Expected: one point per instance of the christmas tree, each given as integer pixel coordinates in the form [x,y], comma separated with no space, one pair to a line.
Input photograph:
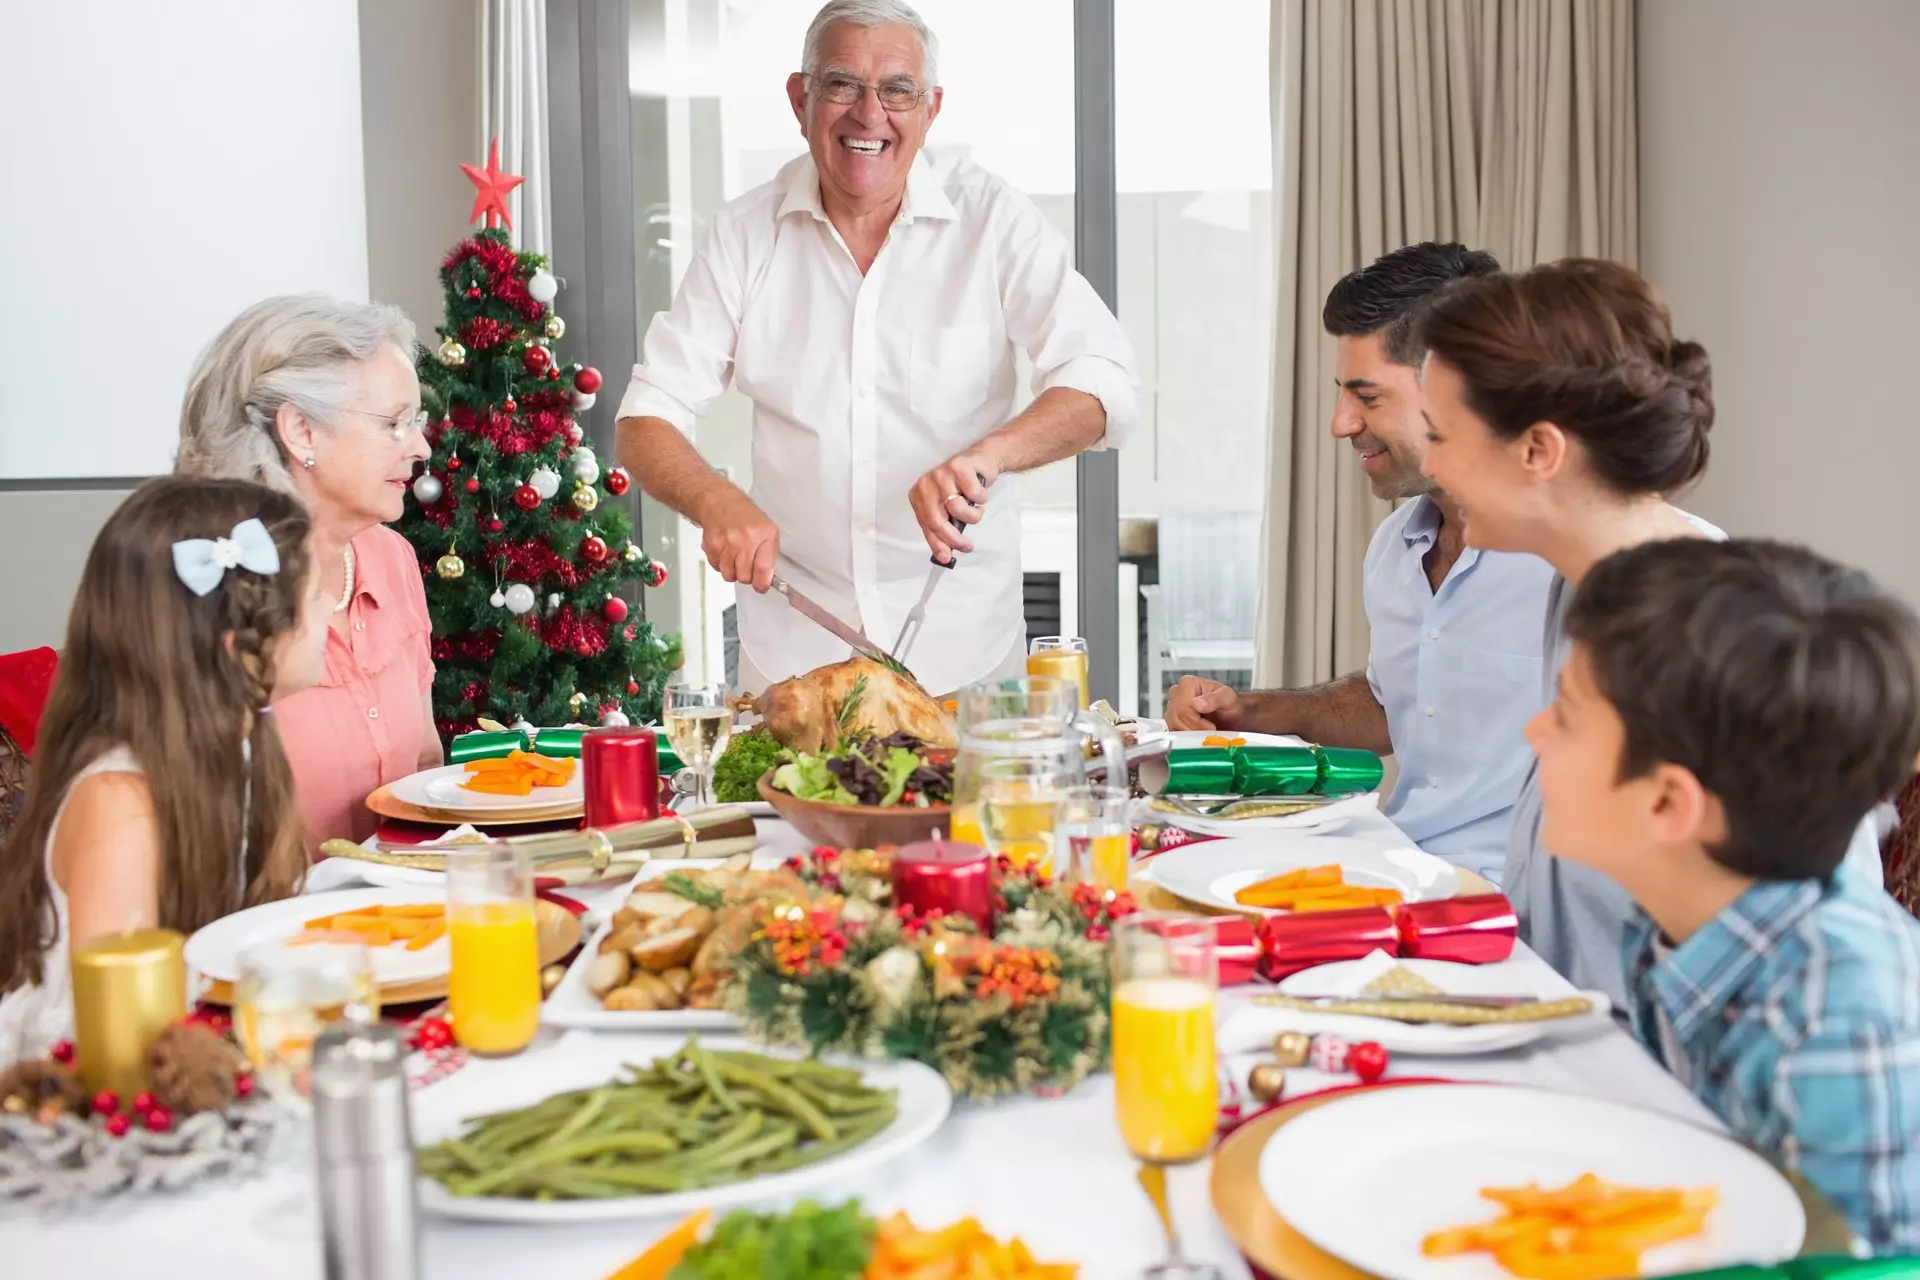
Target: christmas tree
[523,554]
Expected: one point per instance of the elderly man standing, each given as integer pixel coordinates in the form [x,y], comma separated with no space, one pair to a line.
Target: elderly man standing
[869,301]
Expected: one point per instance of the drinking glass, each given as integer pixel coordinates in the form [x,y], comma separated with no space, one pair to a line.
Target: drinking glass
[1061,656]
[1093,831]
[1019,802]
[493,994]
[1165,1082]
[698,720]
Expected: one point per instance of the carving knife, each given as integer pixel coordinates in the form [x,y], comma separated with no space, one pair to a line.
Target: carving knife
[856,640]
[910,629]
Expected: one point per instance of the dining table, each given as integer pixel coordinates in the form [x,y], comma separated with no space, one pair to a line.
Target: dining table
[1052,1170]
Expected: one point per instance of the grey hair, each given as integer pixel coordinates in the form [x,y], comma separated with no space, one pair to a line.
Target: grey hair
[298,350]
[871,13]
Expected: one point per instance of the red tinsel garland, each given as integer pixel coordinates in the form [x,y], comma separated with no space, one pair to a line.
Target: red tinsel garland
[480,645]
[483,333]
[532,563]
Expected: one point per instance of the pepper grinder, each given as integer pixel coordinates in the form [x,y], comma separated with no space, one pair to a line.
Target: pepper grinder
[363,1149]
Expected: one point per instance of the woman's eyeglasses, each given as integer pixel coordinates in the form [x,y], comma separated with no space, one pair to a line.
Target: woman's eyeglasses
[397,426]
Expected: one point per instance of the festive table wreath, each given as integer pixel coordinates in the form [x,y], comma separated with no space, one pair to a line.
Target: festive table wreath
[843,970]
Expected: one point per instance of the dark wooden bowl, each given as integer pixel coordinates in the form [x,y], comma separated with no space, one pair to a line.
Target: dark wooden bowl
[847,826]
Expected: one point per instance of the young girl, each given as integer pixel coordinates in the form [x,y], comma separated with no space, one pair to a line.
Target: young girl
[160,795]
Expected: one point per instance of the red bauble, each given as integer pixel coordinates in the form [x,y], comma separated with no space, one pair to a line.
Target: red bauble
[617,481]
[453,463]
[614,610]
[62,1053]
[633,687]
[473,484]
[594,549]
[243,1085]
[494,526]
[1368,1060]
[526,497]
[432,1033]
[584,649]
[143,1102]
[587,380]
[106,1102]
[537,359]
[159,1119]
[553,374]
[473,291]
[118,1123]
[510,405]
[656,574]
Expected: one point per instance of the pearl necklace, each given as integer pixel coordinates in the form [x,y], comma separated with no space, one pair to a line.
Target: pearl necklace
[346,596]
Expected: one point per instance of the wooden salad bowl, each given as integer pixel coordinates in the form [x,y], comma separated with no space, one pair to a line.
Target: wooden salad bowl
[849,826]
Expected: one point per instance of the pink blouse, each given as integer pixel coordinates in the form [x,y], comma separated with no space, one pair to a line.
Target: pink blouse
[362,726]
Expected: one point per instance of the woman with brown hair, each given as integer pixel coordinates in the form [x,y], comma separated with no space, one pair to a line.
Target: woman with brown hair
[1561,412]
[160,796]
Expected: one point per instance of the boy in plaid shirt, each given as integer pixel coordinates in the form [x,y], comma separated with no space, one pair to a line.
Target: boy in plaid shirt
[1728,712]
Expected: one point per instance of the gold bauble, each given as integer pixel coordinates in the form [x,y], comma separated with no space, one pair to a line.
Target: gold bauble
[586,497]
[633,554]
[1290,1048]
[1267,1081]
[452,354]
[577,700]
[450,567]
[556,328]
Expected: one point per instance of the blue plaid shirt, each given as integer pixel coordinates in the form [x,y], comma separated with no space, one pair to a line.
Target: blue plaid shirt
[1797,1010]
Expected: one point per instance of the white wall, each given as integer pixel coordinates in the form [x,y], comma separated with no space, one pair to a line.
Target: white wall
[1779,202]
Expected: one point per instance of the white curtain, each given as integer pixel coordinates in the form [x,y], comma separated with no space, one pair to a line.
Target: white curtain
[513,108]
[1505,124]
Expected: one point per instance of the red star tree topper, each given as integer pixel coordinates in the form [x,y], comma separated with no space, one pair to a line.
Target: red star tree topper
[490,198]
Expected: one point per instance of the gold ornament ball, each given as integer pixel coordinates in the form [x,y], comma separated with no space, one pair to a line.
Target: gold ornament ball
[1267,1081]
[452,354]
[1290,1048]
[450,567]
[556,328]
[633,554]
[577,700]
[550,978]
[585,497]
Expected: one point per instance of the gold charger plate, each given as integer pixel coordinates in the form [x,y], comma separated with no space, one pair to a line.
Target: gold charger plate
[1271,1244]
[384,803]
[559,931]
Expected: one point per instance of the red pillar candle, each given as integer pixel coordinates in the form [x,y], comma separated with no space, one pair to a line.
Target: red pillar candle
[620,771]
[940,875]
[1477,929]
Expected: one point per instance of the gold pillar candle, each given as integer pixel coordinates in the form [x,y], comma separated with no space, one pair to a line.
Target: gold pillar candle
[1065,664]
[127,989]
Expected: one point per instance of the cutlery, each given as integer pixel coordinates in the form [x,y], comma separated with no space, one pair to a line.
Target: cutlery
[910,629]
[856,640]
[1449,1010]
[1239,807]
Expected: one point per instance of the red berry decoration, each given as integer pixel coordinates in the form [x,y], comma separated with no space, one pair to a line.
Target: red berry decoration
[526,497]
[615,610]
[587,380]
[1368,1060]
[118,1123]
[106,1102]
[633,687]
[594,548]
[143,1102]
[656,574]
[432,1033]
[473,484]
[453,463]
[617,481]
[537,359]
[158,1119]
[62,1053]
[510,405]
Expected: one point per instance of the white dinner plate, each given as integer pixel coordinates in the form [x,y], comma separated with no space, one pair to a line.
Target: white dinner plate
[214,951]
[922,1097]
[1346,977]
[1188,739]
[1211,872]
[440,790]
[1369,1176]
[572,1005]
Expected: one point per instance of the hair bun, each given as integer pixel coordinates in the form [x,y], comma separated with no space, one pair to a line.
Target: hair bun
[1692,367]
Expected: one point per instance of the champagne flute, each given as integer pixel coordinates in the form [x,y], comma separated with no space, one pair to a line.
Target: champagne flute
[698,721]
[1094,832]
[1019,801]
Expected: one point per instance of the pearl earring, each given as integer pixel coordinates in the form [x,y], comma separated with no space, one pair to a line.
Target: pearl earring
[307,462]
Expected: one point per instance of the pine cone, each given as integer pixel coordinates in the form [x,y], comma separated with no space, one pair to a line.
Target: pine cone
[26,1087]
[191,1068]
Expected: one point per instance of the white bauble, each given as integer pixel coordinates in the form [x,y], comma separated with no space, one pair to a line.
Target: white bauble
[498,600]
[615,717]
[543,286]
[519,598]
[545,482]
[553,601]
[574,434]
[428,489]
[582,400]
[586,467]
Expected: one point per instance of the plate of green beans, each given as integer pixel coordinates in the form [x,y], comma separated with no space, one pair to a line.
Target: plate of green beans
[616,1130]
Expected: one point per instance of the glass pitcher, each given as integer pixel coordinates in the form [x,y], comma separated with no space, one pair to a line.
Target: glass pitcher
[1022,748]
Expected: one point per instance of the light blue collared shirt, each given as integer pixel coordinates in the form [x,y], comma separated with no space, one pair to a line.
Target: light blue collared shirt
[1458,672]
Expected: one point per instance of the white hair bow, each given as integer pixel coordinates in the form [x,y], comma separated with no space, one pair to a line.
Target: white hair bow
[203,562]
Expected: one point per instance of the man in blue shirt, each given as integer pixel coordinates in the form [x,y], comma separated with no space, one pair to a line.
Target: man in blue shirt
[1454,672]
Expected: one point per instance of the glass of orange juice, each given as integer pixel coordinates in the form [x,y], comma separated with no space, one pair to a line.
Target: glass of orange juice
[1093,834]
[1061,656]
[1165,1082]
[494,992]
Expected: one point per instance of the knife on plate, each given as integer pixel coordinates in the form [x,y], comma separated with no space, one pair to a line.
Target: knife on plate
[910,629]
[856,640]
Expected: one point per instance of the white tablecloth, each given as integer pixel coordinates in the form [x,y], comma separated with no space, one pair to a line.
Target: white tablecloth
[1053,1171]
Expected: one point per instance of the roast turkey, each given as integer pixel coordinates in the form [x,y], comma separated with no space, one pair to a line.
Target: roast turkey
[804,713]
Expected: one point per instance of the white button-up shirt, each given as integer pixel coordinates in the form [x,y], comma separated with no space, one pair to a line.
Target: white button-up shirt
[861,385]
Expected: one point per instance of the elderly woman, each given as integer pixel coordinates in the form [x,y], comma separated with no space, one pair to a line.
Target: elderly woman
[317,397]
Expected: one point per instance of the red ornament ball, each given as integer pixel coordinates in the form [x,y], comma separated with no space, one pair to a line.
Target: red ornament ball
[617,481]
[587,380]
[158,1119]
[432,1033]
[143,1102]
[453,463]
[106,1102]
[494,526]
[62,1053]
[510,405]
[473,291]
[473,484]
[594,548]
[656,574]
[553,374]
[537,359]
[615,610]
[243,1085]
[1368,1060]
[633,687]
[118,1123]
[526,497]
